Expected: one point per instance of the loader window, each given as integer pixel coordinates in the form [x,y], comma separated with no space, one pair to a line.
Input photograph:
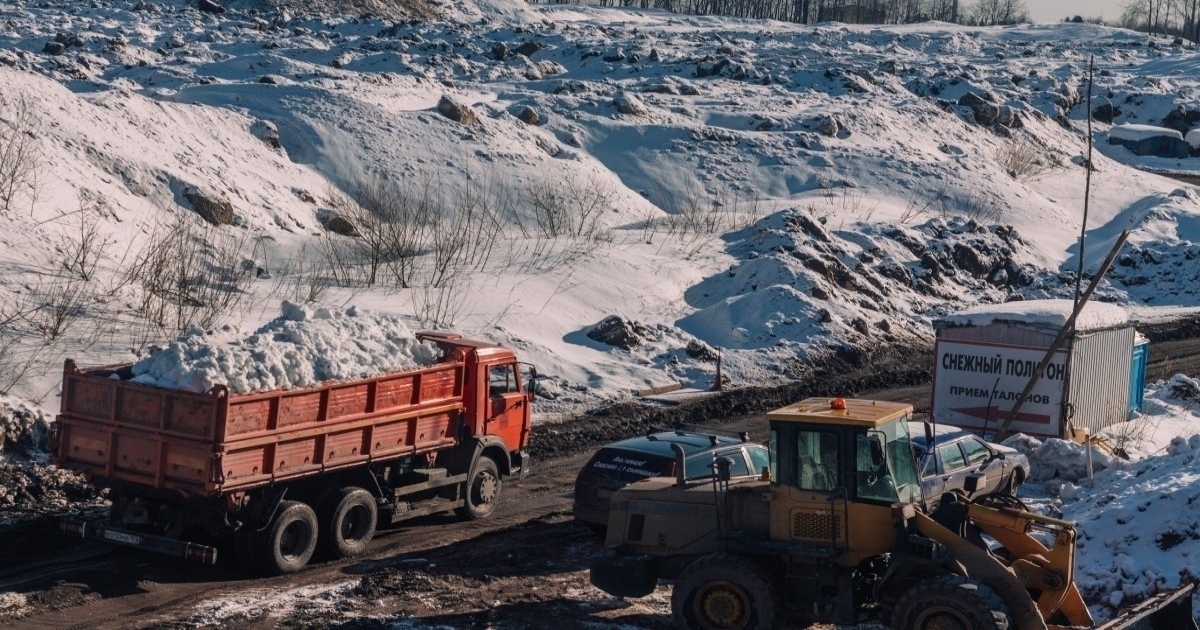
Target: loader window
[502,380]
[874,482]
[817,460]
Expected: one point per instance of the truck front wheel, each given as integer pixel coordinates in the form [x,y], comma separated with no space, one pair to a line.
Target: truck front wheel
[482,490]
[348,520]
[288,543]
[723,592]
[950,602]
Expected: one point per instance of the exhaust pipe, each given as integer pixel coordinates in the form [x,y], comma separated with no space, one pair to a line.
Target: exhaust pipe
[680,473]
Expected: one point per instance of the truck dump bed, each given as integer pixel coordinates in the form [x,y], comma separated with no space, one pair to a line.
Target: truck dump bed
[213,443]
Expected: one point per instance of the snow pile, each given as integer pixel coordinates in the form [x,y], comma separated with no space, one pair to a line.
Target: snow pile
[1139,530]
[1059,459]
[299,348]
[24,430]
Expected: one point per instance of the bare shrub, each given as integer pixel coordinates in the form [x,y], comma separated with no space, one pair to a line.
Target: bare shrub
[20,153]
[1024,160]
[20,349]
[569,206]
[56,305]
[81,243]
[189,275]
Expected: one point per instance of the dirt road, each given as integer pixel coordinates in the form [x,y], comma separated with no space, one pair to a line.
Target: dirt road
[524,568]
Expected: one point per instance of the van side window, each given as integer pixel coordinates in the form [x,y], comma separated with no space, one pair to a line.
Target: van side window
[502,380]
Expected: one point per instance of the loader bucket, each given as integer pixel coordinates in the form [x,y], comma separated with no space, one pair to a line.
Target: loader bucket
[1171,610]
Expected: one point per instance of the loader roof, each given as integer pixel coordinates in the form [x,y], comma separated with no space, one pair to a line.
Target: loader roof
[855,412]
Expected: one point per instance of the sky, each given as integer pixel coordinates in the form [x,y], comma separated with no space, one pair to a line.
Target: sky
[1058,10]
[778,192]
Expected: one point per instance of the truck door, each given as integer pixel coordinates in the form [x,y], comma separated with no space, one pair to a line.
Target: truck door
[816,493]
[507,409]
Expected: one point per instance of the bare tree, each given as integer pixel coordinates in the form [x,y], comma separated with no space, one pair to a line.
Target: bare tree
[20,152]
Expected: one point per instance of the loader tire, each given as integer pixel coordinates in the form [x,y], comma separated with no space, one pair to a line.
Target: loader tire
[950,602]
[287,544]
[348,520]
[724,592]
[482,491]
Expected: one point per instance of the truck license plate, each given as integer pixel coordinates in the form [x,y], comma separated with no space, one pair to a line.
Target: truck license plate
[122,537]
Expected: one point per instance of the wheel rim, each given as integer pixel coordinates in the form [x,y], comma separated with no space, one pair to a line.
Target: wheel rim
[722,606]
[486,487]
[941,618]
[354,525]
[294,539]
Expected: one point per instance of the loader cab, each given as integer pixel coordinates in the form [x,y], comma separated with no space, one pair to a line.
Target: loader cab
[837,462]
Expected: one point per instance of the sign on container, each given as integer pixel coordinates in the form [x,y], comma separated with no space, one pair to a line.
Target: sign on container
[977,384]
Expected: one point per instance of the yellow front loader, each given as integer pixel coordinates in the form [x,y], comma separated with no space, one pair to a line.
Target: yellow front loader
[836,531]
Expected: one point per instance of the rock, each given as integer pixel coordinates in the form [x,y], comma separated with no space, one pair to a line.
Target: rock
[208,6]
[627,103]
[819,293]
[500,51]
[828,126]
[54,48]
[528,115]
[457,112]
[211,207]
[619,332]
[700,350]
[266,131]
[824,316]
[337,224]
[528,48]
[272,79]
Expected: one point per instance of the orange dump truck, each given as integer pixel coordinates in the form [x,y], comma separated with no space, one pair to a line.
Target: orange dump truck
[278,475]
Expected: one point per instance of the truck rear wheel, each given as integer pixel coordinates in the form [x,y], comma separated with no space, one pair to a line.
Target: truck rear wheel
[288,543]
[950,602]
[723,592]
[482,490]
[348,520]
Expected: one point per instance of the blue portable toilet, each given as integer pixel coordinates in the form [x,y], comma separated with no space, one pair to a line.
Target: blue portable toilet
[1137,373]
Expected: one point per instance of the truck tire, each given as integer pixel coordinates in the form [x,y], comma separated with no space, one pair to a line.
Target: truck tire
[287,544]
[348,520]
[482,490]
[950,602]
[724,592]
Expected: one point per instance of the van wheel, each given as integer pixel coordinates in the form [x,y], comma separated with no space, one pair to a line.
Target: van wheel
[950,602]
[482,490]
[348,520]
[722,592]
[288,543]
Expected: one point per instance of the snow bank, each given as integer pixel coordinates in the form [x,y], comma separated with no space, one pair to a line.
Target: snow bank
[1139,530]
[299,348]
[1136,133]
[1049,313]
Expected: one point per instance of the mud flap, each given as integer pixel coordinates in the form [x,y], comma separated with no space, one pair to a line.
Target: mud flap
[1171,610]
[624,576]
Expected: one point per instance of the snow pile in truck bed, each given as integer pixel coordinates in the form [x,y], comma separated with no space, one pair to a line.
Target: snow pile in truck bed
[299,348]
